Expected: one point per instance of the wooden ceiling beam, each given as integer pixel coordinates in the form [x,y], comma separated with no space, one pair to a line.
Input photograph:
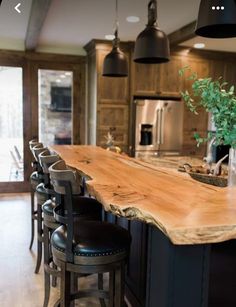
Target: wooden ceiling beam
[183,34]
[39,10]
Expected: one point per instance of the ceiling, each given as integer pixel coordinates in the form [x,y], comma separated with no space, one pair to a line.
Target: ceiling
[13,26]
[226,44]
[70,24]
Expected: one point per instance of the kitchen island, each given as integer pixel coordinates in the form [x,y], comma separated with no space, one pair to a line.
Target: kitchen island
[181,217]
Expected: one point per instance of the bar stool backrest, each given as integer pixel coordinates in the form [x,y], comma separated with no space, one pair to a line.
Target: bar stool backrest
[47,158]
[60,173]
[66,183]
[36,150]
[33,143]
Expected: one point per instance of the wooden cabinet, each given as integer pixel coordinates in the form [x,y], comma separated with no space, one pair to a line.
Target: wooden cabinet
[217,69]
[111,89]
[170,82]
[229,73]
[145,79]
[110,99]
[113,117]
[109,96]
[194,123]
[154,79]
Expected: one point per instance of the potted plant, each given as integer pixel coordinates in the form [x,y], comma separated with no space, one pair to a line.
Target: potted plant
[217,98]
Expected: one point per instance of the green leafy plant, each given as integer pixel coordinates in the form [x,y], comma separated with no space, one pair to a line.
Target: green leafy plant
[214,96]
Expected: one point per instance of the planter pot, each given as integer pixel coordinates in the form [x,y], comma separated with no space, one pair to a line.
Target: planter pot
[232,167]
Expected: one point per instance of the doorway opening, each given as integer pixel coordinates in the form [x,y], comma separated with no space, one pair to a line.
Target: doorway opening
[55,106]
[11,124]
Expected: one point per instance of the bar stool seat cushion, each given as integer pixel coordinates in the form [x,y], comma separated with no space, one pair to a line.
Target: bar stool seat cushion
[35,179]
[48,214]
[93,239]
[41,189]
[48,207]
[43,194]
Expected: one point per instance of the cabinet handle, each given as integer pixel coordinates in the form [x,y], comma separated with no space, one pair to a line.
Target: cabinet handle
[158,127]
[162,125]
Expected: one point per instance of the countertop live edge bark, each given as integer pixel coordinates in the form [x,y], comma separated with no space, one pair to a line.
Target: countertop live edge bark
[186,211]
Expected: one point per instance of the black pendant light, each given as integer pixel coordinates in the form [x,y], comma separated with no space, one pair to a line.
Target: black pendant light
[115,63]
[152,44]
[217,19]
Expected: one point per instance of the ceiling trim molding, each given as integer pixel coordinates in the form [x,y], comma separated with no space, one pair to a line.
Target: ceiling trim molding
[181,35]
[39,10]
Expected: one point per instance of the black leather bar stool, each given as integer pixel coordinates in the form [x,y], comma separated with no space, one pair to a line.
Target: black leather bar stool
[87,247]
[46,159]
[43,193]
[35,178]
[92,210]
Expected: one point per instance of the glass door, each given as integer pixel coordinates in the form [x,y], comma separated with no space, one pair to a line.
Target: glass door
[11,125]
[55,106]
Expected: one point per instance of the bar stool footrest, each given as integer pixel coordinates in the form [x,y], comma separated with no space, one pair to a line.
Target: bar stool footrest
[90,293]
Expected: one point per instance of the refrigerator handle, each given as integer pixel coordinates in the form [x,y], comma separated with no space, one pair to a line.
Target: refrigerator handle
[158,127]
[162,124]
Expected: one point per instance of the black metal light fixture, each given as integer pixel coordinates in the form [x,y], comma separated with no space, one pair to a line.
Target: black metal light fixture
[217,19]
[115,63]
[152,44]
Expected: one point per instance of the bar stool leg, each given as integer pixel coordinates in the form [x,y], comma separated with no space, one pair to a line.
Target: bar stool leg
[65,286]
[58,303]
[100,287]
[32,218]
[46,262]
[40,232]
[119,286]
[54,278]
[74,286]
[111,288]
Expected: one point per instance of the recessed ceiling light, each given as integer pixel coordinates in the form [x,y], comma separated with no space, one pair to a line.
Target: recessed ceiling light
[199,45]
[109,37]
[133,19]
[63,76]
[58,81]
[68,73]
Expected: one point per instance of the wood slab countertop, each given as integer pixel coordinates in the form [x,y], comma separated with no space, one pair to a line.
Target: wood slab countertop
[187,211]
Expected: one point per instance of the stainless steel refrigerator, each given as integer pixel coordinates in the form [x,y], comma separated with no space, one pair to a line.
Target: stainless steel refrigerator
[158,126]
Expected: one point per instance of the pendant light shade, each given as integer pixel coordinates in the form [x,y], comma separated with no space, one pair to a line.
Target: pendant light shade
[217,19]
[152,44]
[115,63]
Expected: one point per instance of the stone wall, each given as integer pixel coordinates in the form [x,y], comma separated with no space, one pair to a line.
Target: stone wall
[54,126]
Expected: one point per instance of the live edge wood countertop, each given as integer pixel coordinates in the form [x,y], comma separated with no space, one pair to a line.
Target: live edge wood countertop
[186,211]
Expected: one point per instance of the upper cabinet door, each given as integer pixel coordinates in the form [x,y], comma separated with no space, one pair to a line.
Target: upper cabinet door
[145,81]
[111,89]
[157,79]
[229,74]
[170,81]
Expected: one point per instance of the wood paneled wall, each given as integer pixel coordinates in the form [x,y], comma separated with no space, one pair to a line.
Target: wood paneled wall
[31,62]
[113,97]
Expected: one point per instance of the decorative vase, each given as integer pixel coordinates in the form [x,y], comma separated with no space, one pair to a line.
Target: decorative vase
[232,167]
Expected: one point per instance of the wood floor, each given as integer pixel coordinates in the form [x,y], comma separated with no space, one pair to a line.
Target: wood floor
[19,286]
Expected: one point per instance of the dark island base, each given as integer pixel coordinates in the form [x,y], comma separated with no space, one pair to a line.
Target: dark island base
[222,289]
[160,274]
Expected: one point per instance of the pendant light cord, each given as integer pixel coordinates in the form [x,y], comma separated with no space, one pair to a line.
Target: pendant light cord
[116,20]
[116,39]
[152,13]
